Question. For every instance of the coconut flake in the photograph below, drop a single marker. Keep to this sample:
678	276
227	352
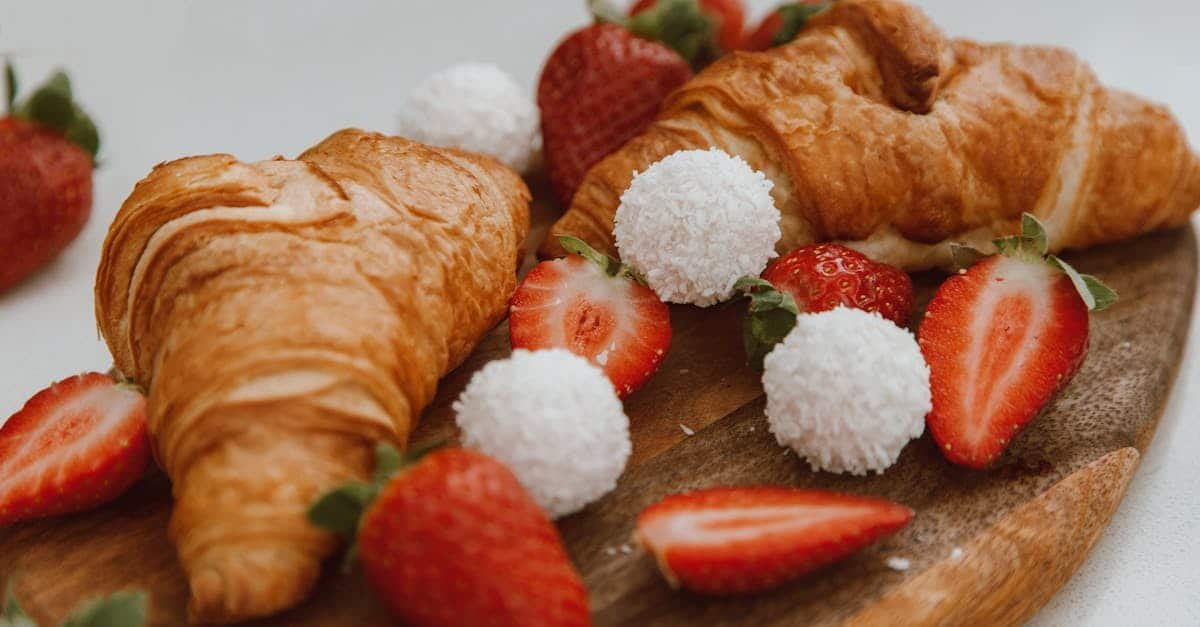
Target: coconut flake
847	390
898	563
696	222
476	107
554	419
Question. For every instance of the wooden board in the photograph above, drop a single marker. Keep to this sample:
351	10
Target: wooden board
1022	528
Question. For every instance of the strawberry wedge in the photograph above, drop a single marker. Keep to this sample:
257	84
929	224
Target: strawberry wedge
595	307
727	541
1001	339
75	445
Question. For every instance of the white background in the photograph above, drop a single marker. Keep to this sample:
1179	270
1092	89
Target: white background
257	78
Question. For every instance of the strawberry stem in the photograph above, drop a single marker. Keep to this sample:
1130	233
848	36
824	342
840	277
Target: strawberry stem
1033	245
770	316
52	105
610	266
10	86
795	17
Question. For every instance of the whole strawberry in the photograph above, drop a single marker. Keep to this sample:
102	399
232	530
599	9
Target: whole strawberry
453	539
600	87
47	147
75	445
700	30
824	276
783	24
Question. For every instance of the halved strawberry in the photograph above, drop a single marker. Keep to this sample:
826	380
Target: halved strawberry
726	541
1001	339
596	308
75	445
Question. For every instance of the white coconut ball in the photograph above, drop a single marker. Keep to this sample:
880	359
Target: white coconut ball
476	107
847	390
696	222
554	419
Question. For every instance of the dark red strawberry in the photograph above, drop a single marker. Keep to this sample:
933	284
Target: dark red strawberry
75	445
824	276
47	145
594	307
783	24
1001	340
727	541
453	539
700	30
600	88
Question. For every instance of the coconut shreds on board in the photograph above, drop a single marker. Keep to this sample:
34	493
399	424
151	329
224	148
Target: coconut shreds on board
898	563
696	222
847	390
956	554
688	431
554	419
476	107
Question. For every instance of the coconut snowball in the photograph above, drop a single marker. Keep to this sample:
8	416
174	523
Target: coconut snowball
847	390
696	222
476	107
554	419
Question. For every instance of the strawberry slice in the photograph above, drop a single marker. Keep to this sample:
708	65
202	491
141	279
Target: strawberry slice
75	445
596	308
1001	340
725	541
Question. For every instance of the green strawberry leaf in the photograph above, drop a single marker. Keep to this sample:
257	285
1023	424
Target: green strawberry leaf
682	25
10	86
52	105
388	460
1033	244
795	18
610	266
121	609
82	132
1095	294
963	256
339	511
11	614
770	316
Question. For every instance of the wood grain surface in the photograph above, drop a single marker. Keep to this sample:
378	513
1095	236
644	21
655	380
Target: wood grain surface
1021	528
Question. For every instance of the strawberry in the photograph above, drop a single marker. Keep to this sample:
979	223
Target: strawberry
725	541
824	276
600	87
47	145
700	30
75	445
1001	339
783	24
595	307
451	538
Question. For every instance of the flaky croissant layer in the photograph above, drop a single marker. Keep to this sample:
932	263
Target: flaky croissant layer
878	130
285	315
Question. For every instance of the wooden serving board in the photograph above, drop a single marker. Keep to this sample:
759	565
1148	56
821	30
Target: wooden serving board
1021	528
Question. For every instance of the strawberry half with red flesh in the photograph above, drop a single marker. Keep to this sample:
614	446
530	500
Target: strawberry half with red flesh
75	445
783	24
821	277
451	538
726	541
601	87
597	308
47	146
1001	339
700	30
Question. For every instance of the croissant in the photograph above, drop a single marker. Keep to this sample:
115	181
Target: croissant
285	315
878	131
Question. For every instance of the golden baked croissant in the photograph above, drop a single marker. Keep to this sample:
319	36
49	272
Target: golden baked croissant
284	316
878	130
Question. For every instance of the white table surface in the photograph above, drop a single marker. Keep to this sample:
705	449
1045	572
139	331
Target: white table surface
256	78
